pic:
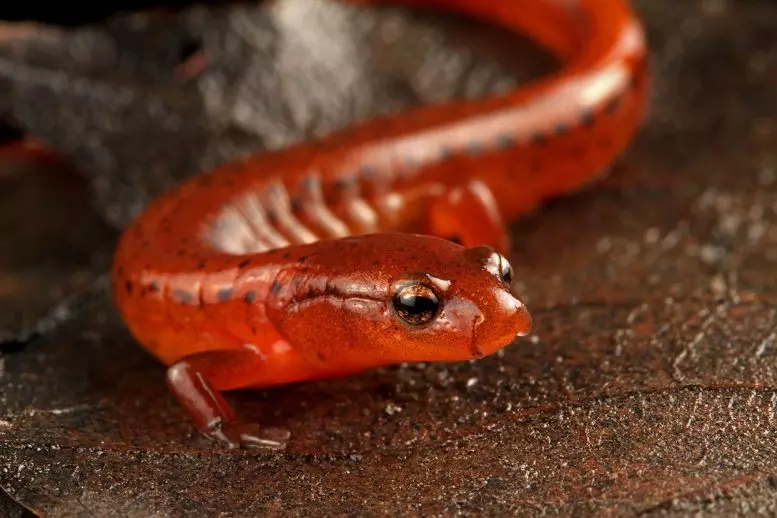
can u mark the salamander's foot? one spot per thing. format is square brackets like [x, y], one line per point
[197, 382]
[468, 214]
[249, 435]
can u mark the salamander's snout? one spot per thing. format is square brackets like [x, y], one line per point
[505, 319]
[504, 315]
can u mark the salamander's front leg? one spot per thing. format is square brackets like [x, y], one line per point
[468, 214]
[197, 380]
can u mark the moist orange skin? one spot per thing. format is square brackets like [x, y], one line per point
[281, 267]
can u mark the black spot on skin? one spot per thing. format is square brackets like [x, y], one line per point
[250, 297]
[272, 216]
[287, 255]
[201, 265]
[561, 129]
[296, 204]
[505, 141]
[153, 287]
[475, 149]
[535, 166]
[302, 259]
[376, 263]
[275, 287]
[455, 239]
[612, 105]
[343, 183]
[183, 296]
[224, 294]
[321, 356]
[244, 263]
[311, 182]
[587, 118]
[128, 287]
[538, 139]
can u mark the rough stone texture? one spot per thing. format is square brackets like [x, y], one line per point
[649, 387]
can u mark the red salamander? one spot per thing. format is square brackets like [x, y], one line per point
[381, 244]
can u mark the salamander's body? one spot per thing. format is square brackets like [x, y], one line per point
[341, 254]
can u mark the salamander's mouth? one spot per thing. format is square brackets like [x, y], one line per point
[474, 349]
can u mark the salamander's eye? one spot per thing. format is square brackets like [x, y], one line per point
[505, 270]
[416, 303]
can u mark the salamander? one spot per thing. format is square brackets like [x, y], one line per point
[385, 242]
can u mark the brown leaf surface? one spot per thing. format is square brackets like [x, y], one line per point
[650, 386]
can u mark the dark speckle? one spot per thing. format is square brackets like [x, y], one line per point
[250, 296]
[296, 204]
[201, 265]
[535, 166]
[587, 118]
[613, 105]
[224, 294]
[302, 259]
[154, 286]
[561, 129]
[505, 141]
[244, 263]
[475, 149]
[577, 152]
[182, 296]
[128, 287]
[445, 153]
[538, 139]
[275, 287]
[343, 183]
[310, 182]
[287, 255]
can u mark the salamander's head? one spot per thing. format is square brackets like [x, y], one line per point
[394, 298]
[459, 309]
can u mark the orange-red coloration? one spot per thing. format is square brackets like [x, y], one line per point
[328, 258]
